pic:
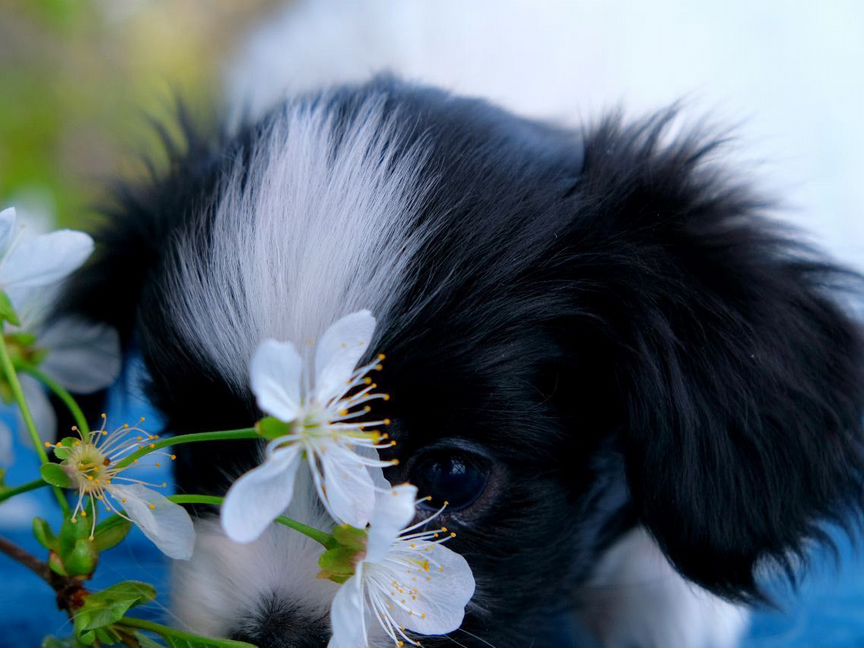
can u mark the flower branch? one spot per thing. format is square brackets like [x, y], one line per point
[15, 385]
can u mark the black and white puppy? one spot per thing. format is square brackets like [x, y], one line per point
[596, 342]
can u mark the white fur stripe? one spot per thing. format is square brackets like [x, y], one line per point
[319, 228]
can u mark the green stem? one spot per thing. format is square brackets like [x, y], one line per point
[189, 638]
[15, 385]
[227, 435]
[318, 536]
[62, 394]
[24, 488]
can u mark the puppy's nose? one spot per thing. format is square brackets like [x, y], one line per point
[278, 624]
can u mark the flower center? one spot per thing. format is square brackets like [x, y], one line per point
[87, 467]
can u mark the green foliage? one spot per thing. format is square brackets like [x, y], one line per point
[111, 533]
[102, 610]
[175, 638]
[44, 534]
[73, 553]
[63, 448]
[53, 642]
[55, 475]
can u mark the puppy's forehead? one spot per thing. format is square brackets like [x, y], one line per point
[318, 220]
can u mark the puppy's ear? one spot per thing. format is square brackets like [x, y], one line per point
[742, 378]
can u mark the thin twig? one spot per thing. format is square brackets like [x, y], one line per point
[30, 561]
[70, 591]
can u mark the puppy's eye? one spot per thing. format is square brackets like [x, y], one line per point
[458, 478]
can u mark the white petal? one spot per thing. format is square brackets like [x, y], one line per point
[45, 259]
[83, 357]
[347, 614]
[167, 524]
[6, 445]
[7, 228]
[441, 595]
[261, 495]
[338, 352]
[349, 486]
[394, 510]
[275, 378]
[40, 409]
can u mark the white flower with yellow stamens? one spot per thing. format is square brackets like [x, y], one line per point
[322, 421]
[405, 581]
[92, 463]
[81, 357]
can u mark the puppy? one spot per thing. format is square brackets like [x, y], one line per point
[600, 351]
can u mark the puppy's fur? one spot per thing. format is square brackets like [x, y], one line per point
[604, 320]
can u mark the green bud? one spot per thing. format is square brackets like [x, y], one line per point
[83, 558]
[71, 531]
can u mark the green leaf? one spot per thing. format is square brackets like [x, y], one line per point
[44, 534]
[7, 310]
[111, 533]
[55, 475]
[107, 607]
[272, 428]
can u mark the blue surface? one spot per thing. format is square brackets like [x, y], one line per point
[827, 610]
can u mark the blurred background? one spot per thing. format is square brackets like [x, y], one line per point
[82, 82]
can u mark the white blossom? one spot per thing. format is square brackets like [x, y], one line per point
[406, 581]
[92, 463]
[325, 403]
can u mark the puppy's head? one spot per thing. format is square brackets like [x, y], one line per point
[584, 331]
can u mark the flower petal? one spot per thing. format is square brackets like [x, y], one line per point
[442, 593]
[338, 352]
[40, 409]
[394, 510]
[7, 228]
[167, 524]
[83, 357]
[347, 614]
[45, 259]
[350, 491]
[275, 372]
[261, 495]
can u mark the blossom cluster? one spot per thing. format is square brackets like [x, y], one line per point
[322, 408]
[399, 574]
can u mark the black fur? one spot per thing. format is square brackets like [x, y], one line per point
[607, 315]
